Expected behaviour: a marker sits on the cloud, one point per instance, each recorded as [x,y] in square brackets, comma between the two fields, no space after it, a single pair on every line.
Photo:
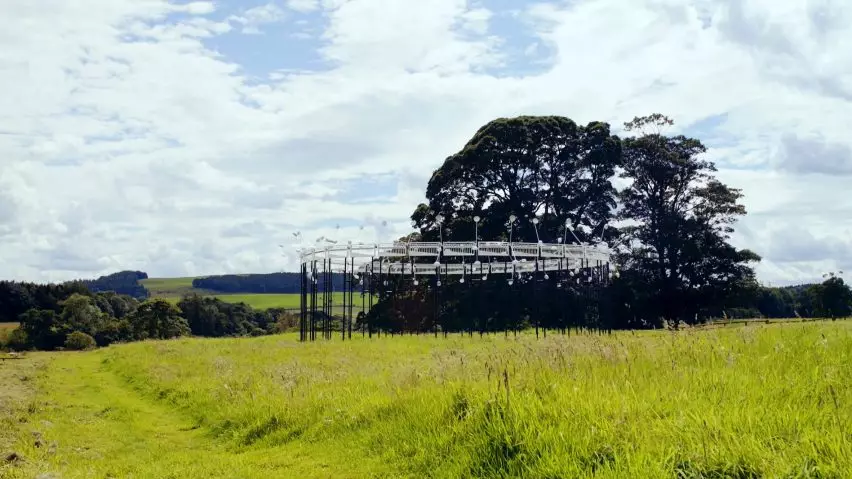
[141,136]
[250,229]
[253,18]
[413,37]
[800,257]
[814,155]
[303,6]
[197,8]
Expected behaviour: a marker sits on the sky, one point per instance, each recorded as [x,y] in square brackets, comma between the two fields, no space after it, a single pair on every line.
[185,139]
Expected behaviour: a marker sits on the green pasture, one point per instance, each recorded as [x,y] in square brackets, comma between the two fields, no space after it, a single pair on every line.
[173,289]
[170,287]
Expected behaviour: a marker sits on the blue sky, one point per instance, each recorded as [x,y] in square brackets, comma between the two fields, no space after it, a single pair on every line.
[187,138]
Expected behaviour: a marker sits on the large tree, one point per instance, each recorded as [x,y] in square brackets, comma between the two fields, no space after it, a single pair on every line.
[79,313]
[680,219]
[158,319]
[529,166]
[832,298]
[544,167]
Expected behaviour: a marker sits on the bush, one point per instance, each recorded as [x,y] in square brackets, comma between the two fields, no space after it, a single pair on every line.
[78,341]
[114,332]
[285,323]
[17,340]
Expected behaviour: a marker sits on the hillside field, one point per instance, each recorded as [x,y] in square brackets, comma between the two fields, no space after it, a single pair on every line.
[172,289]
[754,401]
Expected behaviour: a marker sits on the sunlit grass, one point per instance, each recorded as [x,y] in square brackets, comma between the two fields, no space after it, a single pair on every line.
[170,287]
[263,301]
[173,289]
[733,402]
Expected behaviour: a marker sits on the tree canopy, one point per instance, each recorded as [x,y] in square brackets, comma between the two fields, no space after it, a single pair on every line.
[547,167]
[680,219]
[670,223]
[110,318]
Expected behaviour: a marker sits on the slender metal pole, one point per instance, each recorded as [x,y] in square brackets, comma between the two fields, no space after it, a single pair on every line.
[372,293]
[535,297]
[314,286]
[345,279]
[302,305]
[351,297]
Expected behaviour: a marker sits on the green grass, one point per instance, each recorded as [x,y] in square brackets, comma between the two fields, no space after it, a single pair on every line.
[287,301]
[170,287]
[269,300]
[755,401]
[173,289]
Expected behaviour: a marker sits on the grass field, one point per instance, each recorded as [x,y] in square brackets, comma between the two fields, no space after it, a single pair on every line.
[758,401]
[268,301]
[172,289]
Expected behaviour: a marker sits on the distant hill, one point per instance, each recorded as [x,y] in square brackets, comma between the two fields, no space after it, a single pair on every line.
[123,282]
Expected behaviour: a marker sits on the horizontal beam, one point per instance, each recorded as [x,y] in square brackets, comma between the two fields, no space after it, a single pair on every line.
[458,249]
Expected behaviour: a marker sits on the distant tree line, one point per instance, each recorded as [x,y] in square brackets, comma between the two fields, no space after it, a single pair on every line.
[124,282]
[829,299]
[280,283]
[69,316]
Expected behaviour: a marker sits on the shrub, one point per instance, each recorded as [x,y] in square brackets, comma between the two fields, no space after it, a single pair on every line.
[115,331]
[285,323]
[78,341]
[17,340]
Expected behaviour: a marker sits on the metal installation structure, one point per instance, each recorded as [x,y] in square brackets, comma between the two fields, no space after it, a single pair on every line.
[339,280]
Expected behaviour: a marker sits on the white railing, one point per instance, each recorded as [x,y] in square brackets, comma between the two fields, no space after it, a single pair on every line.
[455,255]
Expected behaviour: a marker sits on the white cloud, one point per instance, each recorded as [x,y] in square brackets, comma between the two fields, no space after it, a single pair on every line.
[254,17]
[303,6]
[197,8]
[128,143]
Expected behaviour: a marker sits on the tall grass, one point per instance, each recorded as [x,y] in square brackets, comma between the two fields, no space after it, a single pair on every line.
[745,402]
[766,400]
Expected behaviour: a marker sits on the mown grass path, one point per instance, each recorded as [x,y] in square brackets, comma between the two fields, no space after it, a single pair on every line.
[92,424]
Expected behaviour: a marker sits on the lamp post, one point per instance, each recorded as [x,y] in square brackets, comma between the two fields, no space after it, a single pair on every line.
[476,220]
[534,221]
